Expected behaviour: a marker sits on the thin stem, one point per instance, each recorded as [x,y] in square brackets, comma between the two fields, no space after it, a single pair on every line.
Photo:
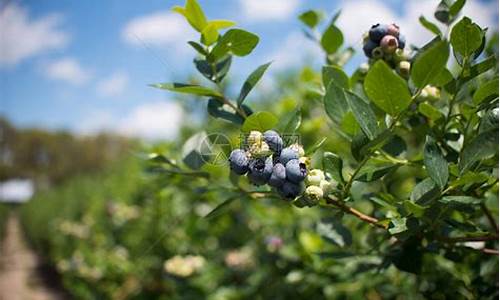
[489,251]
[468,239]
[363,217]
[347,187]
[490,217]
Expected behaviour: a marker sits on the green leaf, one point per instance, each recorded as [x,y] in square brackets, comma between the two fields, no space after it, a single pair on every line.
[481,147]
[311,18]
[435,163]
[237,41]
[460,200]
[456,7]
[196,150]
[252,81]
[333,164]
[424,191]
[386,89]
[198,47]
[210,33]
[364,114]
[291,122]
[429,64]
[260,121]
[466,37]
[398,225]
[187,89]
[216,109]
[335,74]
[315,147]
[429,111]
[193,14]
[411,207]
[395,146]
[335,103]
[486,91]
[221,208]
[335,232]
[207,70]
[430,26]
[332,39]
[442,79]
[375,169]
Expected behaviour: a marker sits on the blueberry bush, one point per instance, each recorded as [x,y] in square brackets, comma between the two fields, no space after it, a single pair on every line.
[382,184]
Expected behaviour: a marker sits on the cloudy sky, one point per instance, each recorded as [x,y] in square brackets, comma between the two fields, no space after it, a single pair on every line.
[85,65]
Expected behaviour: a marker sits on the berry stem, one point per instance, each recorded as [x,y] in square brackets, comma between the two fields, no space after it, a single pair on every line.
[347,209]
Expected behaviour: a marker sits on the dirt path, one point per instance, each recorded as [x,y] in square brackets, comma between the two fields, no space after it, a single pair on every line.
[20,275]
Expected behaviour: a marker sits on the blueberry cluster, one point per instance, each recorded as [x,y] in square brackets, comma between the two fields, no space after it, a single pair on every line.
[386,42]
[265,161]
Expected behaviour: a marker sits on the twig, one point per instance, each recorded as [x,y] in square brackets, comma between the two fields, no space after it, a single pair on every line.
[490,251]
[468,239]
[490,217]
[354,212]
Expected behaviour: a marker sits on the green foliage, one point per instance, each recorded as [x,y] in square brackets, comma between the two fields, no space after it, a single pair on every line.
[409,166]
[386,89]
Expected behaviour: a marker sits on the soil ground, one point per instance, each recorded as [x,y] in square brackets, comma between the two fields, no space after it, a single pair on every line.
[22,274]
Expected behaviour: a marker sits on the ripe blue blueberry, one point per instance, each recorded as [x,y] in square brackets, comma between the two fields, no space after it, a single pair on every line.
[290,190]
[401,41]
[273,139]
[278,176]
[260,170]
[295,171]
[238,161]
[377,32]
[368,47]
[288,154]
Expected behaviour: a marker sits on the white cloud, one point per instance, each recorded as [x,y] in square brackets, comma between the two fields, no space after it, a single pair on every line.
[151,121]
[22,37]
[358,15]
[114,85]
[283,58]
[67,69]
[159,29]
[265,10]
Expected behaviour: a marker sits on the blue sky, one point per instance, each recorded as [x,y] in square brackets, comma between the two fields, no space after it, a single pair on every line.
[85,65]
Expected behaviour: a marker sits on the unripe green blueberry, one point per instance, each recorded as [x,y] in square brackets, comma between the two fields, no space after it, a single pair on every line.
[389,44]
[314,193]
[432,93]
[315,176]
[377,53]
[401,55]
[404,68]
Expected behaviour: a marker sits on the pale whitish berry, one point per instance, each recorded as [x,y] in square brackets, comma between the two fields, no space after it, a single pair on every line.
[255,137]
[314,193]
[404,68]
[326,186]
[315,176]
[259,149]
